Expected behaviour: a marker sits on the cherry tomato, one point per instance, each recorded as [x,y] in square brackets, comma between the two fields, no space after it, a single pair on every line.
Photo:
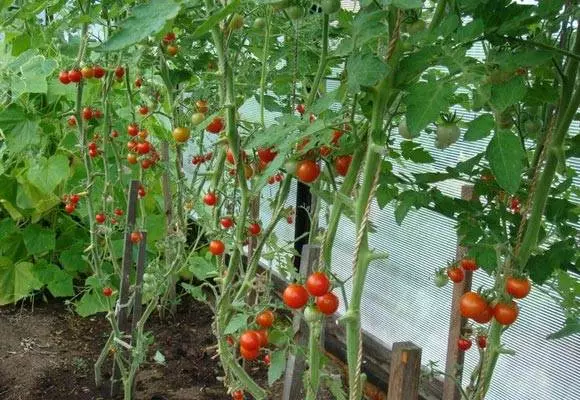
[518,287]
[327,303]
[99,71]
[146,163]
[265,319]
[169,37]
[230,156]
[472,305]
[317,284]
[468,264]
[485,316]
[133,129]
[216,125]
[325,151]
[172,50]
[295,296]
[71,121]
[143,147]
[132,146]
[74,198]
[69,208]
[181,134]
[201,106]
[267,359]
[143,134]
[464,344]
[301,109]
[506,314]
[141,192]
[342,163]
[87,113]
[197,118]
[455,274]
[254,229]
[216,247]
[87,72]
[263,335]
[307,171]
[93,153]
[100,218]
[238,395]
[250,340]
[138,83]
[107,291]
[249,354]
[131,158]
[75,75]
[266,154]
[482,341]
[210,199]
[118,212]
[143,110]
[119,72]
[227,222]
[135,237]
[114,133]
[63,77]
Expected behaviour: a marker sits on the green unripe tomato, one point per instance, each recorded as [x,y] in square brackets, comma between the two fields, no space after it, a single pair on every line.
[237,22]
[259,23]
[311,314]
[197,118]
[330,6]
[295,12]
[290,167]
[404,131]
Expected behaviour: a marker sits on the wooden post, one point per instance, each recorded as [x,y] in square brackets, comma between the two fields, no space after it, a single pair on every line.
[123,314]
[455,358]
[296,364]
[405,372]
[138,306]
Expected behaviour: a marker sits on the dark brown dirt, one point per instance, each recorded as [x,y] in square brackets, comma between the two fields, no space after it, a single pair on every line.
[47,352]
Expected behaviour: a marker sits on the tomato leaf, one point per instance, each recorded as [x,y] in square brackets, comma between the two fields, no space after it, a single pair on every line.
[571,327]
[507,93]
[237,322]
[59,283]
[144,20]
[91,303]
[479,128]
[413,151]
[425,101]
[277,366]
[364,70]
[16,280]
[385,194]
[195,291]
[506,159]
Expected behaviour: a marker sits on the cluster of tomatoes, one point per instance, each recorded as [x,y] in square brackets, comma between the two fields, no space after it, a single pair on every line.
[76,75]
[201,158]
[317,285]
[482,307]
[169,43]
[94,150]
[252,340]
[101,217]
[140,147]
[90,113]
[70,202]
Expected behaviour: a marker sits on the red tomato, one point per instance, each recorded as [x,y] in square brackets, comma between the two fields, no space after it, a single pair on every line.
[131,158]
[118,212]
[146,163]
[250,340]
[227,222]
[295,296]
[63,77]
[119,72]
[267,359]
[133,129]
[263,335]
[143,110]
[143,147]
[141,192]
[248,354]
[254,229]
[135,237]
[464,344]
[107,291]
[307,171]
[266,154]
[325,151]
[336,135]
[201,106]
[172,50]
[265,319]
[482,341]
[327,303]
[74,198]
[485,316]
[71,121]
[238,394]
[75,75]
[169,37]
[518,287]
[455,274]
[468,264]
[301,109]
[87,113]
[210,198]
[230,156]
[138,82]
[99,71]
[69,208]
[87,72]
[506,314]
[216,247]
[100,218]
[216,125]
[342,163]
[93,153]
[317,284]
[472,305]
[114,133]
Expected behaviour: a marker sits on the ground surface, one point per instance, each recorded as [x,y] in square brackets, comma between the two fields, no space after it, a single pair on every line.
[47,352]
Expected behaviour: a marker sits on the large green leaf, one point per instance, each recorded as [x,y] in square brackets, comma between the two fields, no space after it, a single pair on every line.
[364,70]
[46,174]
[480,127]
[506,159]
[16,280]
[32,75]
[20,128]
[38,240]
[59,283]
[91,303]
[277,366]
[507,93]
[145,20]
[215,19]
[425,101]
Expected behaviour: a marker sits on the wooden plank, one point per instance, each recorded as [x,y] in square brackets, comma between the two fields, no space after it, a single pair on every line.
[138,306]
[455,358]
[123,313]
[405,371]
[296,364]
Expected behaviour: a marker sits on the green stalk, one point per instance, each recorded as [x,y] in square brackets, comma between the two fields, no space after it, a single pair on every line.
[321,63]
[265,65]
[314,357]
[438,15]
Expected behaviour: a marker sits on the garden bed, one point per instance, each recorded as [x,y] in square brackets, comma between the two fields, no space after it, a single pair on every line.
[47,352]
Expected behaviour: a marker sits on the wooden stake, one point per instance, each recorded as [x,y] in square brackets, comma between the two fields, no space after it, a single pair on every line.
[405,372]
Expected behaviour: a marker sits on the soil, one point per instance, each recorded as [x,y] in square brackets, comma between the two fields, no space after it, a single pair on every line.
[47,352]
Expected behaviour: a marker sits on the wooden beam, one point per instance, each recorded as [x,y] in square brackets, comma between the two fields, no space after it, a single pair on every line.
[405,372]
[455,358]
[296,364]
